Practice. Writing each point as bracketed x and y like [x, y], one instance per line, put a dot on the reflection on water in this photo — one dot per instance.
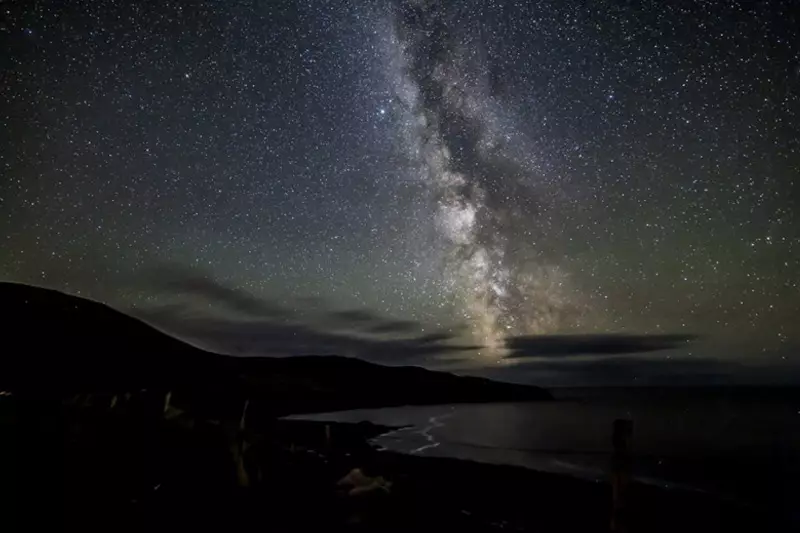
[743, 446]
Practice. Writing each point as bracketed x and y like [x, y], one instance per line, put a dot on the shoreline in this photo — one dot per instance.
[485, 494]
[133, 471]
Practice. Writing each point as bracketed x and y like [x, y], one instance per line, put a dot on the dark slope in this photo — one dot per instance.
[59, 344]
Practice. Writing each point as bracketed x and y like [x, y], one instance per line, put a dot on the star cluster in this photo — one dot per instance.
[517, 168]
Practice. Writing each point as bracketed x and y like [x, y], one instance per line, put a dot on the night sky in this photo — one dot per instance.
[414, 182]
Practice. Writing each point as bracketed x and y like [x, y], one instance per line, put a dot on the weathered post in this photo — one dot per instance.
[239, 446]
[167, 401]
[243, 419]
[328, 438]
[621, 474]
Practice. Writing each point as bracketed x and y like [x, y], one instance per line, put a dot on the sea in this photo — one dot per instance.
[739, 443]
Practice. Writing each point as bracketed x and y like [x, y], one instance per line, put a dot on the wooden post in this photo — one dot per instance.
[239, 447]
[167, 401]
[244, 415]
[621, 474]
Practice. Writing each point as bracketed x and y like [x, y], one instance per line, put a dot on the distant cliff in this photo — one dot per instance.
[59, 344]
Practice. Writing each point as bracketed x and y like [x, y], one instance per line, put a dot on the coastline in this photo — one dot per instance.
[450, 492]
[137, 472]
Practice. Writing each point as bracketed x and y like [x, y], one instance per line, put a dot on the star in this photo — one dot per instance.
[531, 170]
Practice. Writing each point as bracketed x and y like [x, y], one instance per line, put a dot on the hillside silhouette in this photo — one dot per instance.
[57, 344]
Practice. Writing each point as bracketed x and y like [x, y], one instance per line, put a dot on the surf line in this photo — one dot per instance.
[434, 422]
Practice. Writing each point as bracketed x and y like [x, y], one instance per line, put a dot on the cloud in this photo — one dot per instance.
[620, 370]
[242, 324]
[542, 346]
[641, 360]
[184, 283]
[180, 281]
[371, 323]
[353, 316]
[264, 337]
[395, 326]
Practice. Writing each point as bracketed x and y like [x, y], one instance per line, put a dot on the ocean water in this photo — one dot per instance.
[737, 444]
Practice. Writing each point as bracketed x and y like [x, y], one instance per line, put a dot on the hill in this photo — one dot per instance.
[64, 345]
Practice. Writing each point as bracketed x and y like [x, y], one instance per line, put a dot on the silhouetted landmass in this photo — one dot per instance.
[61, 344]
[89, 445]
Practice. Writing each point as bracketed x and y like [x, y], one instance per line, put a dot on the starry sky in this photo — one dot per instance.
[446, 184]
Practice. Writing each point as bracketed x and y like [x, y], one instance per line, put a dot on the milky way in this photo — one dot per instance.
[483, 170]
[464, 152]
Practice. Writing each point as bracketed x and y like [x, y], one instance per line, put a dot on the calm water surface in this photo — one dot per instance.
[742, 444]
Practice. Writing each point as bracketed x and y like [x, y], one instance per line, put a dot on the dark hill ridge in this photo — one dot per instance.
[60, 344]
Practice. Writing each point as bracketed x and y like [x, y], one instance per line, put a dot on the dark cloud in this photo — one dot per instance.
[353, 316]
[180, 281]
[618, 370]
[597, 345]
[245, 325]
[372, 323]
[434, 337]
[395, 326]
[269, 338]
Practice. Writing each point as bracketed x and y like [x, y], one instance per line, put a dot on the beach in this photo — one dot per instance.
[132, 470]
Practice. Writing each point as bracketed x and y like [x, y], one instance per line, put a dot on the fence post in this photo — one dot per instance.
[621, 474]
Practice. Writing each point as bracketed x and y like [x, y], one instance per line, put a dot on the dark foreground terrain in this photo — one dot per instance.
[131, 468]
[109, 425]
